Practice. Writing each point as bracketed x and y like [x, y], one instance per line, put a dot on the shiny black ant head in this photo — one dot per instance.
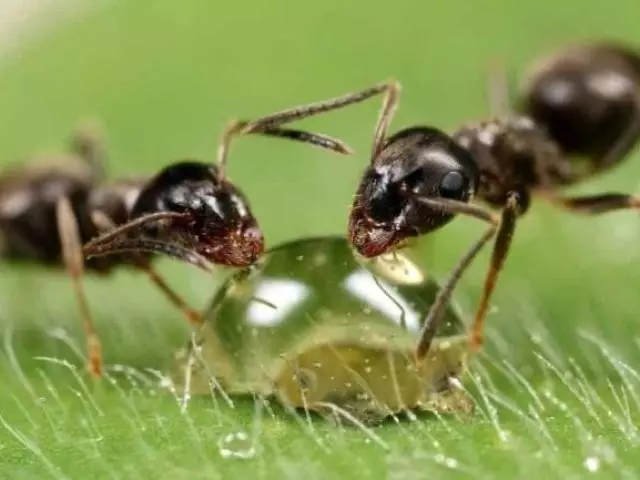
[417, 162]
[586, 96]
[217, 222]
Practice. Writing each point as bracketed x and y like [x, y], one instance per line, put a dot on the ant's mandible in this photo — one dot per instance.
[189, 210]
[579, 115]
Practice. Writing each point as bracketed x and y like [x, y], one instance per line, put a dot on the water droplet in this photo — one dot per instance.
[237, 445]
[317, 364]
[592, 464]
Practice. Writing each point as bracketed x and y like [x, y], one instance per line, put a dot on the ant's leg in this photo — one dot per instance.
[87, 143]
[105, 224]
[391, 91]
[236, 127]
[595, 204]
[498, 257]
[432, 322]
[192, 316]
[504, 229]
[498, 92]
[74, 263]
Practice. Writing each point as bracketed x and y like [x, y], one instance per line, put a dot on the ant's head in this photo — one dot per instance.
[415, 163]
[216, 220]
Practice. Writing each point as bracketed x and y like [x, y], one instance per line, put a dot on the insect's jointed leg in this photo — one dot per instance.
[503, 230]
[390, 90]
[105, 224]
[193, 316]
[500, 251]
[596, 204]
[498, 92]
[432, 321]
[311, 109]
[434, 316]
[87, 143]
[389, 106]
[74, 262]
[239, 127]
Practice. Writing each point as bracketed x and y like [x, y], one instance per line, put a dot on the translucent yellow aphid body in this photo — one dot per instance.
[311, 326]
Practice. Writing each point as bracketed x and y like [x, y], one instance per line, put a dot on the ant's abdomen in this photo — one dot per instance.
[587, 98]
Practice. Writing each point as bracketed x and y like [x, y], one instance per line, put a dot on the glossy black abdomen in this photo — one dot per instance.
[587, 98]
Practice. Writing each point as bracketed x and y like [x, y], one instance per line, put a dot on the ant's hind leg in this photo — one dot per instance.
[87, 143]
[73, 259]
[498, 91]
[105, 224]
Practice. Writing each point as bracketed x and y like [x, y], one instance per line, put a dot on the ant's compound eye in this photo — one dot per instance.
[453, 185]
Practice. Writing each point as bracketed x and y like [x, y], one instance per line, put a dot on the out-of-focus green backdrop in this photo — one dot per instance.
[164, 77]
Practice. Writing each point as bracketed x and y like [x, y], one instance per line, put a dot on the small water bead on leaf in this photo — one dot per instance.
[341, 329]
[237, 445]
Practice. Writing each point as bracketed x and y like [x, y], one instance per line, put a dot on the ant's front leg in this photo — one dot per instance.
[503, 229]
[74, 263]
[105, 224]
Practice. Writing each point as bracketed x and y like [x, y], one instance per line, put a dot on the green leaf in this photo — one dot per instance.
[558, 388]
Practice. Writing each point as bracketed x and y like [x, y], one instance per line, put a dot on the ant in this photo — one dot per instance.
[579, 115]
[190, 210]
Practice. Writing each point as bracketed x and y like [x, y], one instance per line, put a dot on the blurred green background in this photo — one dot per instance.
[164, 77]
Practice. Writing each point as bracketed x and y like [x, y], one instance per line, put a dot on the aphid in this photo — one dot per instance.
[189, 210]
[329, 331]
[580, 114]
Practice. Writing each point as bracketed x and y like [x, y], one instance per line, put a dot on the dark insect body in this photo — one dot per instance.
[579, 114]
[189, 210]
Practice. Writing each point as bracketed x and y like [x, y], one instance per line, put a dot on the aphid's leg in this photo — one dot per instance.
[391, 91]
[87, 143]
[503, 230]
[104, 223]
[73, 259]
